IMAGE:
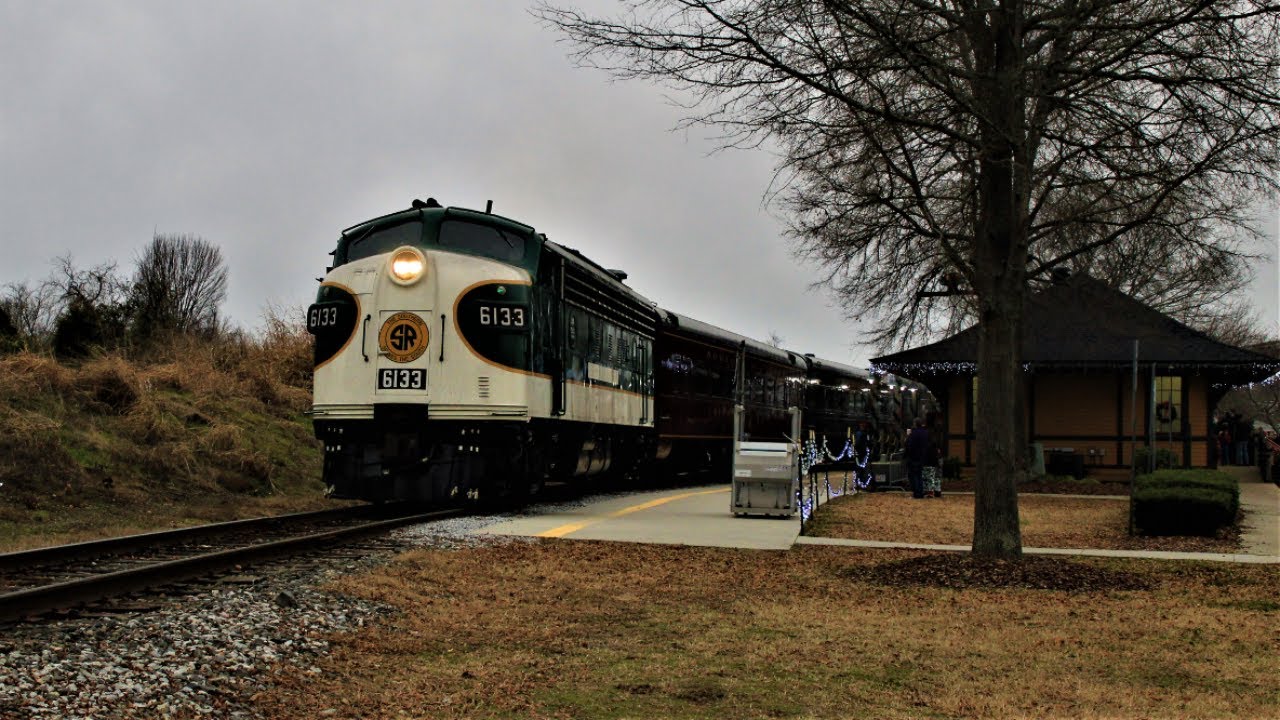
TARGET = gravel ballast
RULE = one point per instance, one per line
(205, 653)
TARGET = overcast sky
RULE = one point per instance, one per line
(268, 127)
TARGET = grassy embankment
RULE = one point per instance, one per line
(201, 432)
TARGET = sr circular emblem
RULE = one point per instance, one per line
(403, 337)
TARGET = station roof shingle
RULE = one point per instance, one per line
(1080, 322)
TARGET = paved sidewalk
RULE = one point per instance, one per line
(1148, 554)
(1261, 504)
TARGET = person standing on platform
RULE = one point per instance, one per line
(917, 454)
(1257, 450)
(1241, 432)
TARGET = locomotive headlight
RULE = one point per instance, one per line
(407, 265)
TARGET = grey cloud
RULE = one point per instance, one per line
(268, 127)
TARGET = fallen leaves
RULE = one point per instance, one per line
(961, 571)
(620, 630)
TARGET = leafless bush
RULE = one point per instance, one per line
(95, 312)
(33, 310)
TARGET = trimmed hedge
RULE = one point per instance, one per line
(1185, 502)
(1165, 459)
(1211, 479)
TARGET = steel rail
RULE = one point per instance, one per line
(71, 593)
(23, 559)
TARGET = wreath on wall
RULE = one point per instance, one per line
(1166, 412)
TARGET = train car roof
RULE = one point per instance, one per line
(598, 271)
(831, 369)
(720, 336)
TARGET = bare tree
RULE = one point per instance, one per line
(974, 143)
(1191, 270)
(1260, 400)
(178, 285)
(1234, 323)
(33, 309)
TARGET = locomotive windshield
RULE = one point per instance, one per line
(379, 240)
(482, 240)
(451, 229)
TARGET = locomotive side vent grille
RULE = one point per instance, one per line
(482, 387)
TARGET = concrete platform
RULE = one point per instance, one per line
(701, 517)
(685, 516)
(1260, 531)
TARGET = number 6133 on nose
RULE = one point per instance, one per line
(402, 379)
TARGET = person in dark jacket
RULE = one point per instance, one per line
(1240, 433)
(917, 454)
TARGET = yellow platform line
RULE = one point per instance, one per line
(574, 527)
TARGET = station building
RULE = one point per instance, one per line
(1078, 360)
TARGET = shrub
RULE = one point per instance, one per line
(1210, 479)
(9, 340)
(1185, 502)
(1181, 510)
(1165, 459)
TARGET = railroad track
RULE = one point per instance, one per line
(36, 582)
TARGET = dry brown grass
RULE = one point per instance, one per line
(151, 421)
(1048, 521)
(110, 384)
(25, 373)
(30, 439)
(117, 444)
(574, 629)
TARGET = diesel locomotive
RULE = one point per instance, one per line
(461, 354)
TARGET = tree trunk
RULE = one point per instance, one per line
(1001, 437)
(1000, 261)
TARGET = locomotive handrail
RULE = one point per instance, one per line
(364, 337)
(441, 337)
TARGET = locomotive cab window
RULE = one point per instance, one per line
(491, 242)
(377, 241)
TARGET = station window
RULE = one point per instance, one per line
(1168, 413)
